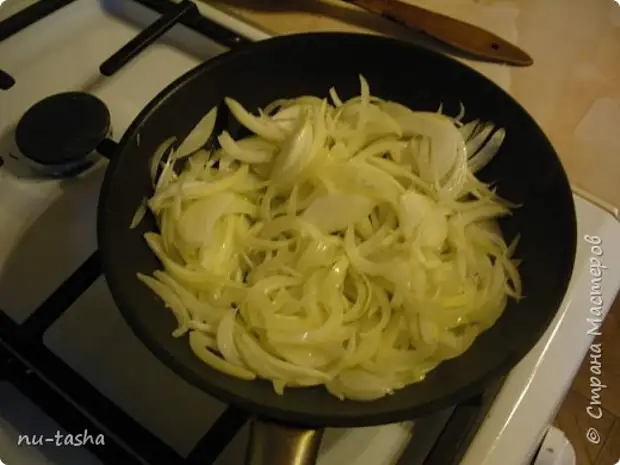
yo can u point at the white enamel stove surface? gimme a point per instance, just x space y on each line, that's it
48 230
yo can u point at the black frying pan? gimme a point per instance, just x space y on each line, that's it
527 171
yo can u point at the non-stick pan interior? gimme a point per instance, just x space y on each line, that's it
526 170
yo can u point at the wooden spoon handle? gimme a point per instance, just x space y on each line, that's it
466 37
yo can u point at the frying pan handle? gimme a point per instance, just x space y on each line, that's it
277 444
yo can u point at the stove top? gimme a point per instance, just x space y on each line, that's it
66 350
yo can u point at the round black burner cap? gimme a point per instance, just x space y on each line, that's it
62 128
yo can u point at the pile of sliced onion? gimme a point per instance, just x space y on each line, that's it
344 244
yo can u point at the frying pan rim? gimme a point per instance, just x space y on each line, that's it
310 419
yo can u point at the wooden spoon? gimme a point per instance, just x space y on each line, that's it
468 38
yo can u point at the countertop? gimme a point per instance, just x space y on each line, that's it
572 90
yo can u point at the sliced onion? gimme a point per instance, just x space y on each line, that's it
487 152
226 338
198 136
199 345
157 157
346 244
249 152
334 212
296 150
261 127
139 214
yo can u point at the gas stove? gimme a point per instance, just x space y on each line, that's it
73 373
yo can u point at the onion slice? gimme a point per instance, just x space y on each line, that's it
198 136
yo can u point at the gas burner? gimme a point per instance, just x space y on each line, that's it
58 136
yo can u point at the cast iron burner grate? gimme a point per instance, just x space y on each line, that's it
67 397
